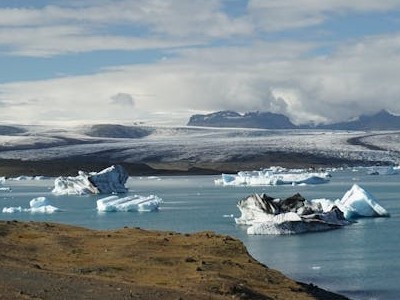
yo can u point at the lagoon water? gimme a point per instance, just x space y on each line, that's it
361 261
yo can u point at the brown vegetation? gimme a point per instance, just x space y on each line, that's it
52 261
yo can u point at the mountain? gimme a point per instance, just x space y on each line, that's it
265 120
382 120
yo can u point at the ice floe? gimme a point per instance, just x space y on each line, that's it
129 203
273 177
267 215
25 178
37 205
383 170
108 181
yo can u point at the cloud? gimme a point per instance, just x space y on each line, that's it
92 26
123 99
281 15
359 77
215 60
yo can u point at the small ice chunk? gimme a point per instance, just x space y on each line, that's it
12 210
129 203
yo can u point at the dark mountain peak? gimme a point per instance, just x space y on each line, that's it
381 120
265 120
380 115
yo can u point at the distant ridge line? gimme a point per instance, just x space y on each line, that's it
382 120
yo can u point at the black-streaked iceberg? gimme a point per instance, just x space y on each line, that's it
267 215
108 181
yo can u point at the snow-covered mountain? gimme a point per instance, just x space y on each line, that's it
266 120
382 120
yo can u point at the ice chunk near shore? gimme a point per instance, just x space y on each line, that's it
129 203
267 215
37 205
107 181
268 177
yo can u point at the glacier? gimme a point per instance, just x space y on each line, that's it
197 145
37 205
272 177
129 203
267 215
108 181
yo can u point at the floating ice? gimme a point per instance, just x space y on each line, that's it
267 215
383 170
107 181
37 205
273 177
357 202
23 178
129 203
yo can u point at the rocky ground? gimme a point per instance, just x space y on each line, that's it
52 261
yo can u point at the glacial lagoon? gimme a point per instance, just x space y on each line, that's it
360 261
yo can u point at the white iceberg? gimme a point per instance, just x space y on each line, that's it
37 205
107 181
23 178
273 177
129 203
267 215
358 203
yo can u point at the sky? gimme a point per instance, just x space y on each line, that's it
160 61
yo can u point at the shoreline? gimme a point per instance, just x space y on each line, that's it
49 260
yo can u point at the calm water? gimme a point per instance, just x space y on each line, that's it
361 261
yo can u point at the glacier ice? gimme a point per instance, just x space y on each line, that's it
37 205
129 203
107 181
273 177
267 215
357 202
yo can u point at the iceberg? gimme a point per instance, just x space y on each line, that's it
108 181
37 205
266 215
273 177
129 203
358 203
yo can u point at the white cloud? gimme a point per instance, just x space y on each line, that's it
360 77
216 61
279 15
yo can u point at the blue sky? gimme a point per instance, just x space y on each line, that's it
160 61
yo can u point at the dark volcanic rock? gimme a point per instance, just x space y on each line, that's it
118 131
382 120
265 120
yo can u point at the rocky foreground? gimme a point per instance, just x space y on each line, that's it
53 261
